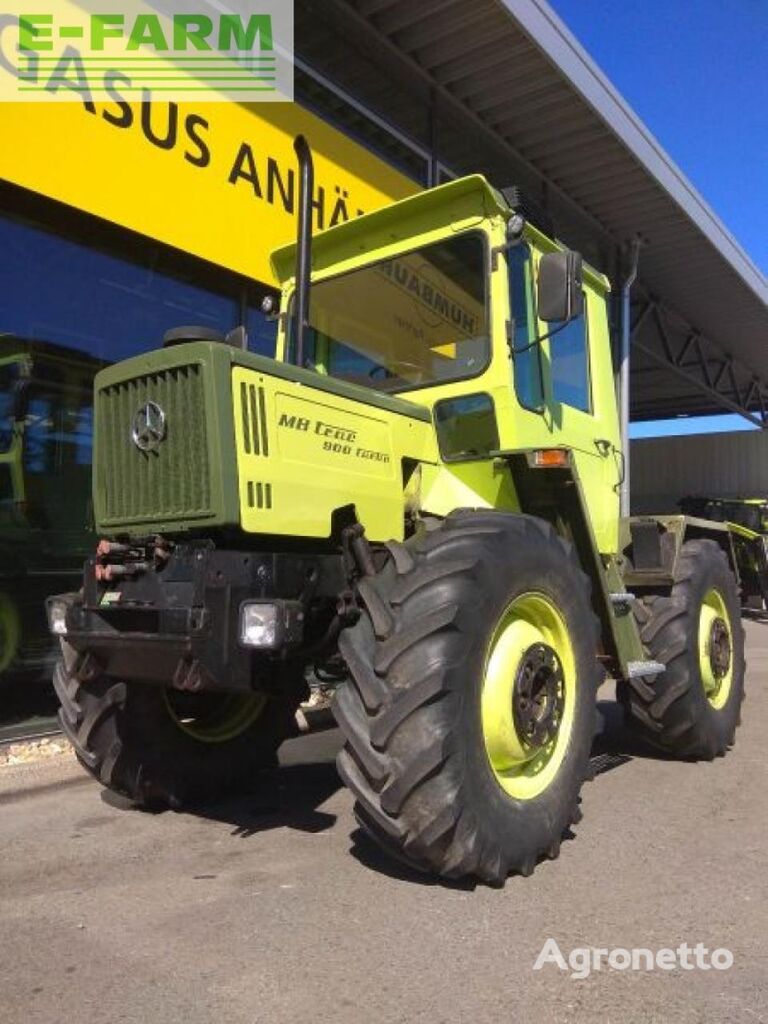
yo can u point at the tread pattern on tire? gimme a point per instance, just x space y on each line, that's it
397 714
666 709
123 735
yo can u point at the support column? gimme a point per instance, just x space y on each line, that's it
626 342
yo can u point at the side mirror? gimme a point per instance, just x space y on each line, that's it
559 296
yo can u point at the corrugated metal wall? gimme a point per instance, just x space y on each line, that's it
665 469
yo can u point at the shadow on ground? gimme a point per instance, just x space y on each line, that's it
291 796
287 797
614 742
284 797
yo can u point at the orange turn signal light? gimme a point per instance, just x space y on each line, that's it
549 458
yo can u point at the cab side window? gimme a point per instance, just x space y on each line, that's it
569 359
529 384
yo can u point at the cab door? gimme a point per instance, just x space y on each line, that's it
564 393
579 390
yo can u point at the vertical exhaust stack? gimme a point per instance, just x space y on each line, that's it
303 244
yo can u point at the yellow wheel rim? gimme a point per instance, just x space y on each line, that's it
715 648
528 696
214 718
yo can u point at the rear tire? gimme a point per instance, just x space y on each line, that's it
419 717
131 738
693 708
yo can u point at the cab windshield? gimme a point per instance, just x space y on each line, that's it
418 319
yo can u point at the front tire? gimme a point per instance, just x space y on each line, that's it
161 748
470 712
692 709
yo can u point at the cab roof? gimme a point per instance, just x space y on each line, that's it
457 202
429 210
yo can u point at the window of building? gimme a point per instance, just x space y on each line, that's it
77 294
569 359
325 98
64 289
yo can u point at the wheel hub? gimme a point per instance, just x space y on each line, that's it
719 648
214 717
538 697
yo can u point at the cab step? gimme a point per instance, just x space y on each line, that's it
636 669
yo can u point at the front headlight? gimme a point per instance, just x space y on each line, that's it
57 616
258 624
270 625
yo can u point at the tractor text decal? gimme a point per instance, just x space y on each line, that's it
340 440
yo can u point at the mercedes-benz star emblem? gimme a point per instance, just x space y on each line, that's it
148 431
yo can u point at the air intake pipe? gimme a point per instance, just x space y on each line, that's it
303 246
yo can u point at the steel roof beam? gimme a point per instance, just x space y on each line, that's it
348 16
569 71
723 387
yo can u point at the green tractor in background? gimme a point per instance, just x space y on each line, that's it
418 497
747 519
46 399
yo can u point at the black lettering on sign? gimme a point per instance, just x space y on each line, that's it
169 118
125 118
245 167
193 124
340 212
318 205
159 119
285 188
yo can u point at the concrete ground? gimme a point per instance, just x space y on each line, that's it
275 909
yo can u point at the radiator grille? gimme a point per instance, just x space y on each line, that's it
171 483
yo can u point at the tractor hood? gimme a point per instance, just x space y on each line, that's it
203 435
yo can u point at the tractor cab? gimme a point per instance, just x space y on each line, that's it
451 300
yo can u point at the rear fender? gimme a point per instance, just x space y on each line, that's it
651 546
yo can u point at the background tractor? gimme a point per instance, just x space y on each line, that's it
419 497
747 519
46 395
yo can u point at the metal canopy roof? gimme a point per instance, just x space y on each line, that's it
502 87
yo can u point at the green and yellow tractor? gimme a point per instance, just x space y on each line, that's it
419 498
46 397
747 520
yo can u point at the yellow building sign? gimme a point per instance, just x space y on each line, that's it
216 180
